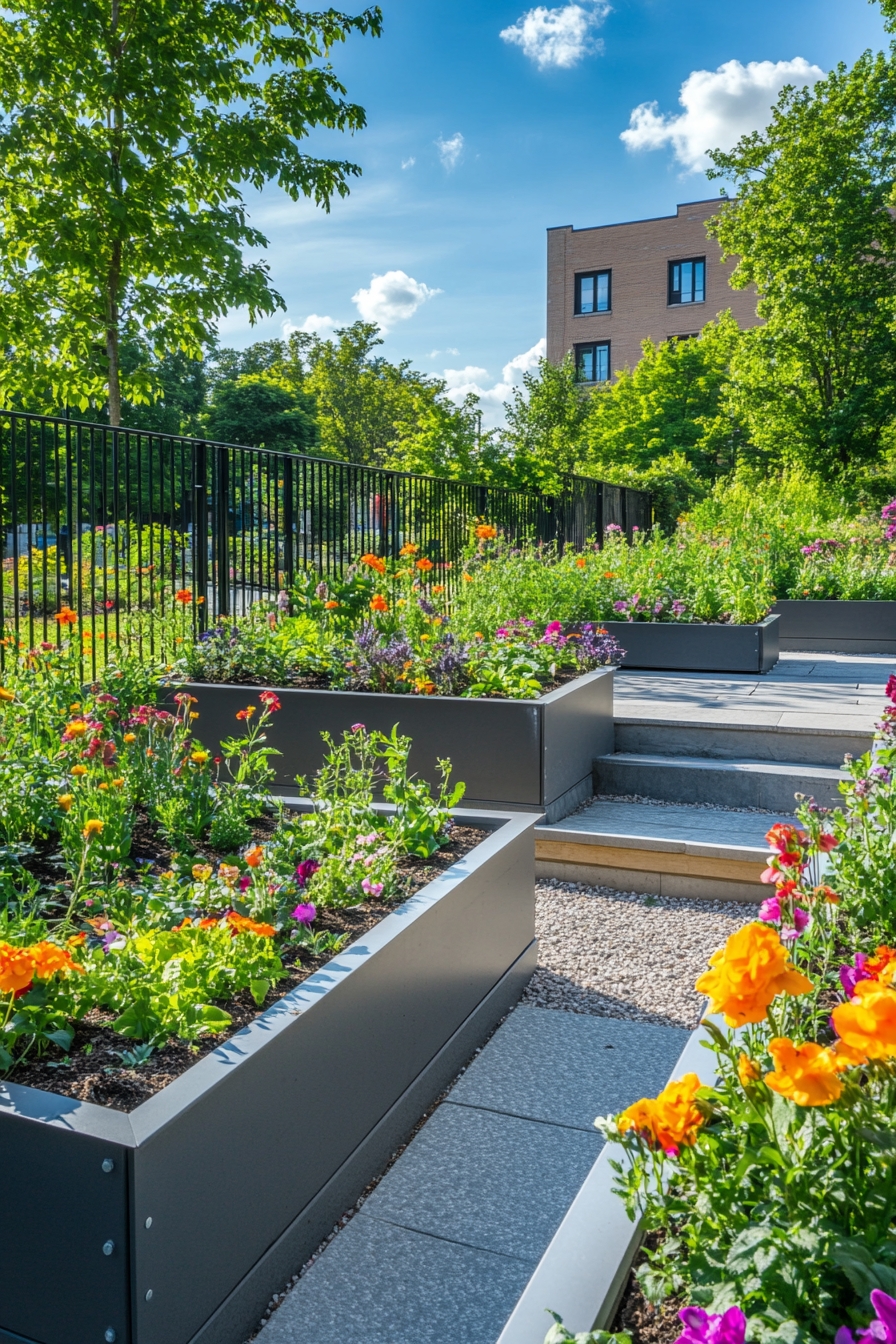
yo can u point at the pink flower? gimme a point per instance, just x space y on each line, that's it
371 888
770 911
357 727
827 842
245 882
305 913
306 870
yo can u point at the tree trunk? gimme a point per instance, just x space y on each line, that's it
114 379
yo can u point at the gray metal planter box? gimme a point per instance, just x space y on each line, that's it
533 754
837 627
672 646
175 1223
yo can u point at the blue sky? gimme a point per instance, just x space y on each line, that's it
478 142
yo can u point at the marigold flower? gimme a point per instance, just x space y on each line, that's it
93 827
76 728
6 695
76 940
271 701
748 1071
331 605
374 562
16 969
468 578
184 596
409 549
438 588
118 783
244 715
581 562
186 923
79 770
48 959
65 801
202 871
255 856
672 1120
807 1074
130 737
199 757
485 532
242 924
378 603
609 574
208 923
65 616
748 974
425 564
868 1022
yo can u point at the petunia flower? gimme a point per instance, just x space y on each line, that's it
305 913
702 1328
306 870
882 1330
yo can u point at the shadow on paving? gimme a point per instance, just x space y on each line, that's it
548 989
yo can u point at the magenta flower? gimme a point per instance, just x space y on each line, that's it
882 1330
801 921
701 1328
890 691
371 888
245 882
357 727
305 913
770 911
306 870
851 975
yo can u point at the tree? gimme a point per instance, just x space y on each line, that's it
257 410
128 132
812 230
670 403
545 420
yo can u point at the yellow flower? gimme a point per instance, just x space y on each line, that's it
868 1023
199 757
748 1071
6 695
130 737
748 974
79 770
65 801
103 788
118 783
93 827
202 871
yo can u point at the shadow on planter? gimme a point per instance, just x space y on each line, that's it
671 646
175 1223
837 627
532 754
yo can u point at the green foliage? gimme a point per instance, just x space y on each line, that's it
259 411
543 440
811 229
558 1334
131 230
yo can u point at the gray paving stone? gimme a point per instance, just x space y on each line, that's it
380 1284
566 1068
487 1180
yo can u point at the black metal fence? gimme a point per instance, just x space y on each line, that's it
143 537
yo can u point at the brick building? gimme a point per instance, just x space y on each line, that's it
612 286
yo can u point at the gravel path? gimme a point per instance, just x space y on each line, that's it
621 954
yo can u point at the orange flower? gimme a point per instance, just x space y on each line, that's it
65 801
468 578
882 966
581 562
130 737
184 596
67 617
826 893
76 939
255 856
241 924
16 969
77 728
244 715
485 532
672 1120
93 827
438 588
6 695
208 923
202 871
807 1074
425 564
748 1071
378 603
48 959
186 923
118 783
79 770
868 1023
409 549
374 562
748 974
331 605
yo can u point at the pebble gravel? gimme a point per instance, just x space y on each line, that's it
625 955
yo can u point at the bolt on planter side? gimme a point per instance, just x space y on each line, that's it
510 753
229 1178
674 646
837 626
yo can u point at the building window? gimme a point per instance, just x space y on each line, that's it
593 292
687 281
593 362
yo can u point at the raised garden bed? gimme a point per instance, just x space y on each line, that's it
837 627
173 1224
676 646
533 754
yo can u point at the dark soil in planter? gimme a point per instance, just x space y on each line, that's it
94 1071
637 1317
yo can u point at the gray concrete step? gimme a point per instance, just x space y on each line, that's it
730 783
728 734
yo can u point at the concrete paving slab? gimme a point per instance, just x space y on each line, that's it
672 823
591 1066
487 1180
380 1284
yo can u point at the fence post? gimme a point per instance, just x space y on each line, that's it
289 525
222 532
199 520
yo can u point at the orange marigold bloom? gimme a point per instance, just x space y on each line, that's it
65 616
409 549
199 757
208 923
331 605
184 596
255 856
425 564
65 801
581 562
6 695
76 728
882 966
242 924
202 871
79 770
378 603
672 1120
750 972
807 1074
468 578
76 939
16 969
48 959
118 783
130 737
93 827
748 1071
244 715
374 562
186 923
485 532
609 574
868 1023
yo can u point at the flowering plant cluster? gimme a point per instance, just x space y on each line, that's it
859 565
161 948
770 1177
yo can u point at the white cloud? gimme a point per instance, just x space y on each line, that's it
558 37
408 163
719 107
450 151
320 326
392 298
449 350
472 379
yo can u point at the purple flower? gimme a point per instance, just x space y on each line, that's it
801 921
620 606
851 975
283 600
701 1328
112 938
882 1330
678 607
305 871
879 772
305 913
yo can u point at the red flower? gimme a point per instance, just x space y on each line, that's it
827 842
184 596
270 701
